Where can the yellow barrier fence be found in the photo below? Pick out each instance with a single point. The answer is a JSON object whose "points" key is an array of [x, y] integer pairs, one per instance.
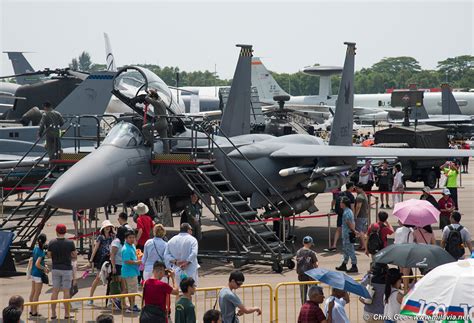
{"points": [[288, 301], [260, 295], [81, 312]]}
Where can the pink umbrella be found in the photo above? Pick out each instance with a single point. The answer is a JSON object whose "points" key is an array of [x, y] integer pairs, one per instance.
{"points": [[416, 212]]}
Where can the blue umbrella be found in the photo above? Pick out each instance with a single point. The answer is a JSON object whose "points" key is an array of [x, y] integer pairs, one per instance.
{"points": [[338, 280]]}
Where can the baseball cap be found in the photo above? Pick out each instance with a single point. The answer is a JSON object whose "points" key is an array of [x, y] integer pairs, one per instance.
{"points": [[61, 229], [446, 191], [426, 189], [307, 239]]}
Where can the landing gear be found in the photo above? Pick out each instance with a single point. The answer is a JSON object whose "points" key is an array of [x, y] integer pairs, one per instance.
{"points": [[277, 267]]}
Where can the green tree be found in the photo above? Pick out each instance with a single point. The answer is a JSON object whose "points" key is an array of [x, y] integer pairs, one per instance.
{"points": [[85, 61], [454, 68]]}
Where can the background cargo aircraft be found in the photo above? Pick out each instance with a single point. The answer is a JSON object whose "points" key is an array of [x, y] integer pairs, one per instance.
{"points": [[121, 168]]}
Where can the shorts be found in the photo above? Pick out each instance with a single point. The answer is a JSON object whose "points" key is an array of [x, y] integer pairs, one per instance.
{"points": [[339, 220], [36, 279], [361, 224], [118, 270], [62, 279], [132, 284], [384, 188]]}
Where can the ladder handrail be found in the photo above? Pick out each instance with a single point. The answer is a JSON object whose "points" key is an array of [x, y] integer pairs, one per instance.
{"points": [[31, 168], [258, 172], [240, 170]]}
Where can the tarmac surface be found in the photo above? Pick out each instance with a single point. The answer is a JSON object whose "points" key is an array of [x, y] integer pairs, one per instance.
{"points": [[214, 273]]}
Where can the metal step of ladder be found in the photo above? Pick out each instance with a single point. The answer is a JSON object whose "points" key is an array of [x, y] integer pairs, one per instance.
{"points": [[250, 233], [28, 218]]}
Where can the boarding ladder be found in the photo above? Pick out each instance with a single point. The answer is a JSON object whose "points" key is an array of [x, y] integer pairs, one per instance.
{"points": [[253, 239], [28, 218]]}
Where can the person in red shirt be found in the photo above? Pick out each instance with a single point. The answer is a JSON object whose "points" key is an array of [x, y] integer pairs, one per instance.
{"points": [[144, 225], [310, 312], [156, 295], [446, 207], [385, 228]]}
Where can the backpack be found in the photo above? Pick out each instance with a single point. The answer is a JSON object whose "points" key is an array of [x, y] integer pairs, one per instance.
{"points": [[304, 262], [454, 243], [375, 242]]}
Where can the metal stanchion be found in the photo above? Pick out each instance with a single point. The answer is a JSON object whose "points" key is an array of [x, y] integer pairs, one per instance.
{"points": [[329, 230]]}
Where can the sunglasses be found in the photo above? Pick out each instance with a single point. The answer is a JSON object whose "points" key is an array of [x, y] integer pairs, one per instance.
{"points": [[239, 283]]}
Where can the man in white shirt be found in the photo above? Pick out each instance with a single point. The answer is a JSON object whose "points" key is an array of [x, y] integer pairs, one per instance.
{"points": [[334, 306], [181, 254], [398, 185]]}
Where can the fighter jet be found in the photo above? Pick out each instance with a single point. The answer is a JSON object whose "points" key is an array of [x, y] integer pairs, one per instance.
{"points": [[123, 168]]}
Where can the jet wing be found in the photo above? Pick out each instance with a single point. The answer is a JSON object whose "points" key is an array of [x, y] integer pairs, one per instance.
{"points": [[308, 151]]}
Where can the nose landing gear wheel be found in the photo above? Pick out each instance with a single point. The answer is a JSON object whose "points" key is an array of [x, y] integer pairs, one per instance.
{"points": [[277, 267]]}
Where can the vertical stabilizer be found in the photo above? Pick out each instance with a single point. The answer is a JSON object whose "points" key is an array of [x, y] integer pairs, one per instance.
{"points": [[341, 130], [21, 66], [266, 85], [236, 117], [448, 102], [109, 56], [91, 96]]}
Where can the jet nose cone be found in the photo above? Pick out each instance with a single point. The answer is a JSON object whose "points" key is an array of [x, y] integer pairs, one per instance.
{"points": [[83, 186]]}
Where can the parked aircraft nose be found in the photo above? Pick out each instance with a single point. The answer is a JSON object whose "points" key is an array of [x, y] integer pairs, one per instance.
{"points": [[85, 185]]}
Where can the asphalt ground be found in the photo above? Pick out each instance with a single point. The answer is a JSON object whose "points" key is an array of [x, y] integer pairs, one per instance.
{"points": [[215, 273]]}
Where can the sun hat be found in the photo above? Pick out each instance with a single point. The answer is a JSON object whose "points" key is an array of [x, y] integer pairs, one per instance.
{"points": [[105, 224], [141, 208]]}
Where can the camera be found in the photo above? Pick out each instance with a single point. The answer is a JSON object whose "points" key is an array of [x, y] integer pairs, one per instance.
{"points": [[168, 272]]}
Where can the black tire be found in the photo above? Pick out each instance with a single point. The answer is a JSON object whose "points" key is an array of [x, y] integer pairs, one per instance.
{"points": [[277, 267], [430, 179], [290, 264]]}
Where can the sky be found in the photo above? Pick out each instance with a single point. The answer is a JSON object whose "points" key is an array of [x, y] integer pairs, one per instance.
{"points": [[197, 35]]}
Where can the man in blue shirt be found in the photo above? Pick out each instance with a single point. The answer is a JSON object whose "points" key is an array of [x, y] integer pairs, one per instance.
{"points": [[348, 237], [130, 271]]}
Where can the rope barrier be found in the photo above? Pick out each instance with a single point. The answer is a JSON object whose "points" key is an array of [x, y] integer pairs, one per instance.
{"points": [[84, 235]]}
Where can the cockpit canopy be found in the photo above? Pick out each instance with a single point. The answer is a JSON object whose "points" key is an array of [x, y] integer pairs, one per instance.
{"points": [[132, 81], [124, 135]]}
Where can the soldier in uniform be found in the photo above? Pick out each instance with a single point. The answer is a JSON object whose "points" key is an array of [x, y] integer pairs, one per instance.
{"points": [[161, 124], [51, 124], [192, 215]]}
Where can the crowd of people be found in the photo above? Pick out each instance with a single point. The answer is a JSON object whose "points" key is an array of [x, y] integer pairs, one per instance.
{"points": [[384, 283], [129, 258]]}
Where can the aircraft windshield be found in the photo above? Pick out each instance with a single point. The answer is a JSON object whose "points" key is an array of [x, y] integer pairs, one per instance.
{"points": [[124, 135], [134, 81]]}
